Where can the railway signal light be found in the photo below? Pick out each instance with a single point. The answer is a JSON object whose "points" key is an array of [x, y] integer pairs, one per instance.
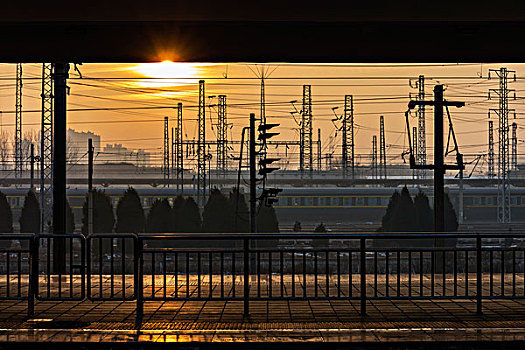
{"points": [[263, 131], [264, 162], [269, 195]]}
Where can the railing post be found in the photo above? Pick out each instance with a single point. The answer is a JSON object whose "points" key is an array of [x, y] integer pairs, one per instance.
{"points": [[479, 276], [33, 276], [139, 279], [246, 277], [363, 276]]}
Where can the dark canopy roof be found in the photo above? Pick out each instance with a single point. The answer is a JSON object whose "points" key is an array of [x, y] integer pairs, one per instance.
{"points": [[367, 31]]}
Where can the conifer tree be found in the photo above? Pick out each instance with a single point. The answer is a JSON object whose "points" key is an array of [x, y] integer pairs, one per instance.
{"points": [[177, 214], [159, 217], [243, 214], [103, 217], [30, 217], [267, 222], [192, 221], [403, 219], [216, 216], [6, 216], [386, 221], [424, 213], [130, 214]]}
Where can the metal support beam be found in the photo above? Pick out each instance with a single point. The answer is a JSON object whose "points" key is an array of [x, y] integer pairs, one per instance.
{"points": [[305, 152], [348, 136], [421, 154], [490, 172], [46, 147], [319, 156], [253, 179], [179, 151], [382, 148], [439, 166], [166, 154], [503, 142], [374, 157], [201, 147], [514, 165], [60, 77], [222, 136], [18, 122], [414, 142]]}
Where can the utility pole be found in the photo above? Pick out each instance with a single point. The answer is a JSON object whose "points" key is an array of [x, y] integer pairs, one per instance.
{"points": [[502, 112], [253, 179], [222, 136], [374, 157], [382, 148], [90, 185], [201, 147], [60, 77], [166, 154], [32, 158], [172, 154], [348, 136], [421, 153], [514, 147], [18, 122], [439, 167], [491, 150], [414, 142], [305, 149], [263, 99], [319, 156], [179, 150], [46, 147]]}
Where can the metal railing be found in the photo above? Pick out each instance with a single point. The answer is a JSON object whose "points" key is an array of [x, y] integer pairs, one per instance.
{"points": [[251, 267]]}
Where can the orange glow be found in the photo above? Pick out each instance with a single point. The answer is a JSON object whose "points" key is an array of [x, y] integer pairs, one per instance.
{"points": [[169, 74]]}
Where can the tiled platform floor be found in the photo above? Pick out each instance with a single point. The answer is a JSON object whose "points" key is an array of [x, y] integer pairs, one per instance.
{"points": [[314, 320]]}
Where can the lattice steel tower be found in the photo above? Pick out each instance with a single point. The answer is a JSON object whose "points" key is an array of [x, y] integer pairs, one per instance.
{"points": [[348, 136], [382, 148], [166, 154], [374, 156], [414, 142], [201, 147], [421, 128], [18, 122], [514, 163], [502, 112], [222, 135], [179, 151], [263, 100], [46, 147], [491, 150], [305, 149]]}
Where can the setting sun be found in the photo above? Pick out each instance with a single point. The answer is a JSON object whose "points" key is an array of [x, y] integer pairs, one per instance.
{"points": [[167, 73]]}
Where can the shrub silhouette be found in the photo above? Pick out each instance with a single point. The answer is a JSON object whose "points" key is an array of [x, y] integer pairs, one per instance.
{"points": [[30, 217], [130, 214], [103, 217], [6, 216]]}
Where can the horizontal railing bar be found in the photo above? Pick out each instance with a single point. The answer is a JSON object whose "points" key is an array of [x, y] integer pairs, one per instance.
{"points": [[332, 235]]}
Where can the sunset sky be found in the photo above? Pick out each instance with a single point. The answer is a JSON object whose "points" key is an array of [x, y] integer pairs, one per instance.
{"points": [[381, 89]]}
